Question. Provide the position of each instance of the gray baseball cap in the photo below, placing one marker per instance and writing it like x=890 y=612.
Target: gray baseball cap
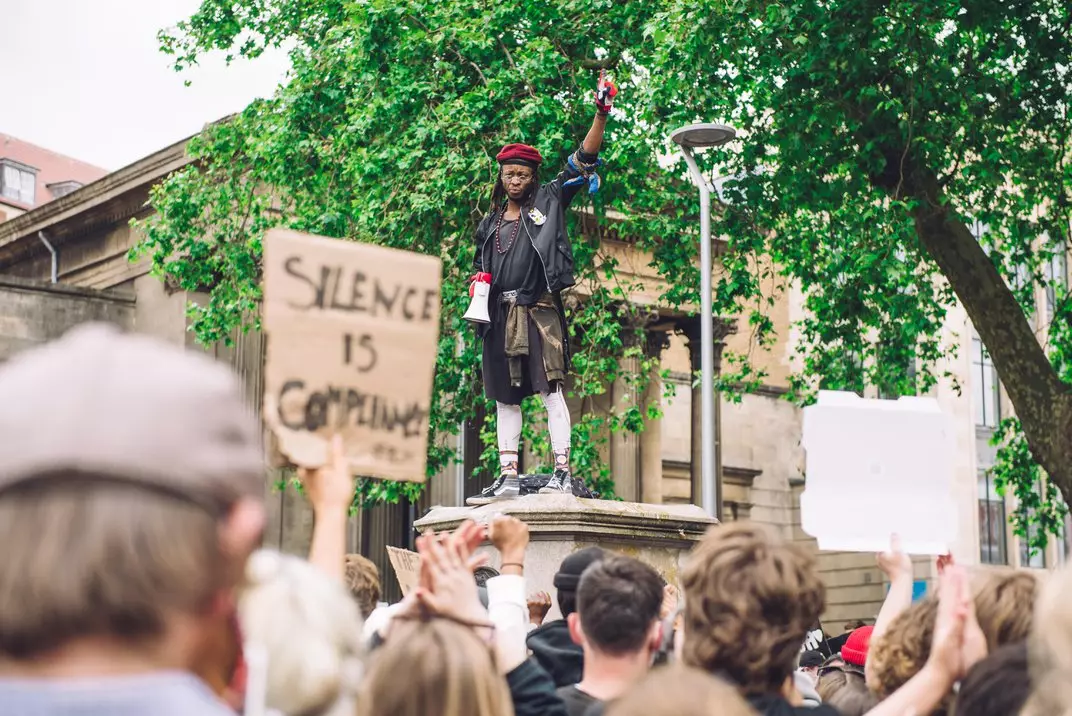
x=98 y=403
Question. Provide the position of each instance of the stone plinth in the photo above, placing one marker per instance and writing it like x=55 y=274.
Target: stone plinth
x=659 y=535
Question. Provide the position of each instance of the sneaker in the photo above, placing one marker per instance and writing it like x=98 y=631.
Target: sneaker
x=560 y=484
x=486 y=495
x=509 y=487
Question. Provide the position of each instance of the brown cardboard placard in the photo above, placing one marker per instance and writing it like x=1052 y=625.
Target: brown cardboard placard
x=407 y=566
x=352 y=334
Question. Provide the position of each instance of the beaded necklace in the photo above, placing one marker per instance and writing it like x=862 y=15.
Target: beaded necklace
x=498 y=233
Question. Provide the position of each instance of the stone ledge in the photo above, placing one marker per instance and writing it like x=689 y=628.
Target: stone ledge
x=28 y=285
x=556 y=516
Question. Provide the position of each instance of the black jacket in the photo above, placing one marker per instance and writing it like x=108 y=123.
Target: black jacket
x=555 y=652
x=533 y=693
x=549 y=238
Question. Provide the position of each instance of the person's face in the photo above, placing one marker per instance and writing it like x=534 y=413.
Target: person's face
x=517 y=180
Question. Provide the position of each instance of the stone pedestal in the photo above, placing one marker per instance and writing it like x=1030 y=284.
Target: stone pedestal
x=659 y=535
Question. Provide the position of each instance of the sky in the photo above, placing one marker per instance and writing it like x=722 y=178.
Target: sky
x=86 y=78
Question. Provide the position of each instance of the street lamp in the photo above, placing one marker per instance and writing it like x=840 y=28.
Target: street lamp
x=689 y=138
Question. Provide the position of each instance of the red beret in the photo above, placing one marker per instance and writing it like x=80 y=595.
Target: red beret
x=519 y=153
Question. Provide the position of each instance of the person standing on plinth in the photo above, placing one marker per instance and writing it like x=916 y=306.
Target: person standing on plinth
x=522 y=244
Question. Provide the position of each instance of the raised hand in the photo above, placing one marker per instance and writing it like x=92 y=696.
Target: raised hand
x=539 y=604
x=330 y=486
x=510 y=536
x=447 y=586
x=895 y=563
x=606 y=91
x=670 y=599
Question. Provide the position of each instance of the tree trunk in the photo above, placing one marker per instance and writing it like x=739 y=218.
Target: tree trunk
x=1042 y=401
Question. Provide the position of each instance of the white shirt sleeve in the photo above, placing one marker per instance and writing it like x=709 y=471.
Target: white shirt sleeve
x=508 y=611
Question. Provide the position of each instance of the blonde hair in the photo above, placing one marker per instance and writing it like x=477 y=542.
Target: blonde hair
x=434 y=668
x=86 y=557
x=308 y=628
x=1050 y=649
x=679 y=690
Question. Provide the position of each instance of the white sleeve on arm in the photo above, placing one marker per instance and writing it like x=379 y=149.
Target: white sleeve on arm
x=508 y=611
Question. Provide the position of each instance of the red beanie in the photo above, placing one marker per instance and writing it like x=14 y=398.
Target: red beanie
x=855 y=649
x=520 y=153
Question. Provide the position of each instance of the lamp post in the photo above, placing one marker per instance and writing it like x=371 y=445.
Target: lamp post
x=689 y=138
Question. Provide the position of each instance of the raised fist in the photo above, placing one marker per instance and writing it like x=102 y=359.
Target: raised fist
x=605 y=93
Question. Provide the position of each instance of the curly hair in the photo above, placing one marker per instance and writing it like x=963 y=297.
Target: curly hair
x=898 y=654
x=1002 y=606
x=750 y=599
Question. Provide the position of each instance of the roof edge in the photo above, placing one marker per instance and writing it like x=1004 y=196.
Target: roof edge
x=148 y=169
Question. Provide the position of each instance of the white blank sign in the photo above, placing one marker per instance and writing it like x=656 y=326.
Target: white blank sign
x=878 y=467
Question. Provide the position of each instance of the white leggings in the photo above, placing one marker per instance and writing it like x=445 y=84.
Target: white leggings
x=508 y=424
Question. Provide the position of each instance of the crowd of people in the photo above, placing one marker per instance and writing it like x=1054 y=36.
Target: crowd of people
x=132 y=582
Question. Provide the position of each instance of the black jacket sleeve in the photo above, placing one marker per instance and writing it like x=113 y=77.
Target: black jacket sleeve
x=478 y=245
x=533 y=691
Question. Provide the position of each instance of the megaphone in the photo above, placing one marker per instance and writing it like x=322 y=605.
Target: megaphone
x=478 y=307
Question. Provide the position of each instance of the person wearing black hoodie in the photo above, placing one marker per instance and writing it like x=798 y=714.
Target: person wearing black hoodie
x=551 y=645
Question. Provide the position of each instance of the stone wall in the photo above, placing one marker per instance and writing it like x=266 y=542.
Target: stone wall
x=32 y=312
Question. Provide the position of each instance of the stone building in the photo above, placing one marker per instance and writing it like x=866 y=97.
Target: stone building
x=86 y=234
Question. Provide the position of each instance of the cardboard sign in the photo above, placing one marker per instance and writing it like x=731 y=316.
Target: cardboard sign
x=878 y=467
x=352 y=337
x=407 y=566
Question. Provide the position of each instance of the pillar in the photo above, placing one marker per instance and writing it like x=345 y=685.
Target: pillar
x=651 y=440
x=625 y=444
x=690 y=327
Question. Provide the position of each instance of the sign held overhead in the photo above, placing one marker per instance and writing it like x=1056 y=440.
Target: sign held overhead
x=875 y=468
x=352 y=335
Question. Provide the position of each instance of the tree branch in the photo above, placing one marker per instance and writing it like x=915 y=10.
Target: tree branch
x=510 y=59
x=456 y=53
x=607 y=63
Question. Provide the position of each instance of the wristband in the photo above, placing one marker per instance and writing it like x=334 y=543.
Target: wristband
x=512 y=564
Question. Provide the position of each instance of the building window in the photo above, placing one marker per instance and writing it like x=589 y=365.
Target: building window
x=991 y=522
x=984 y=382
x=1056 y=270
x=17 y=181
x=63 y=188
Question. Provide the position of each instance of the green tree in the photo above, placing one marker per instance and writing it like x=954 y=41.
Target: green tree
x=385 y=132
x=876 y=140
x=876 y=136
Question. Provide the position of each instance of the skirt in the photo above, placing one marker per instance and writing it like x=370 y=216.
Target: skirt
x=495 y=366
